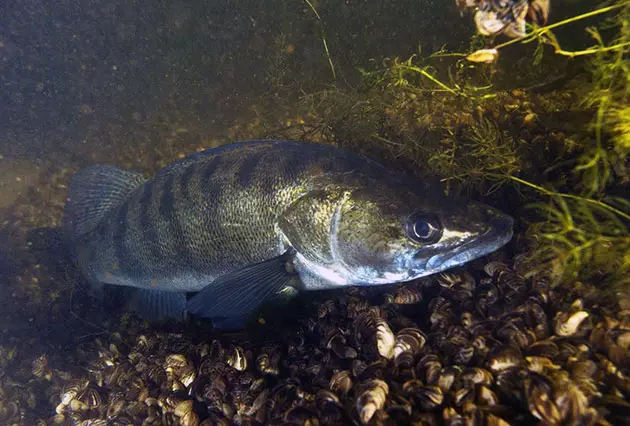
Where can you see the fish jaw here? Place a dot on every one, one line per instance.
(500, 232)
(322, 277)
(465, 246)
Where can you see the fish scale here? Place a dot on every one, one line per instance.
(258, 220)
(149, 236)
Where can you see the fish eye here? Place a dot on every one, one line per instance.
(423, 229)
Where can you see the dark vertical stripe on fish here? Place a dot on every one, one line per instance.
(176, 237)
(185, 181)
(210, 190)
(297, 164)
(166, 198)
(94, 254)
(209, 168)
(247, 169)
(124, 256)
(151, 238)
(101, 231)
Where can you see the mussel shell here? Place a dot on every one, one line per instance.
(341, 382)
(371, 398)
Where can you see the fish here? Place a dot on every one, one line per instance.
(509, 17)
(220, 232)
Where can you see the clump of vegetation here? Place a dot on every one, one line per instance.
(495, 129)
(610, 95)
(586, 235)
(578, 234)
(580, 238)
(478, 158)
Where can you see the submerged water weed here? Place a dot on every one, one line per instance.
(481, 157)
(403, 73)
(544, 35)
(583, 234)
(323, 38)
(619, 118)
(604, 159)
(277, 70)
(417, 73)
(610, 96)
(580, 241)
(580, 238)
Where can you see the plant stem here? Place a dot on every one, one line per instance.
(569, 196)
(541, 30)
(430, 77)
(591, 50)
(321, 25)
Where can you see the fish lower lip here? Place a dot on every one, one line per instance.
(500, 233)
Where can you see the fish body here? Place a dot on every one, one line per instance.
(509, 17)
(258, 220)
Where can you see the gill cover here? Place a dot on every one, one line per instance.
(307, 224)
(344, 235)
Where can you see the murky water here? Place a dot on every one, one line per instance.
(139, 84)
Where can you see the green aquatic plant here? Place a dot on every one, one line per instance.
(405, 73)
(583, 233)
(480, 157)
(277, 70)
(618, 117)
(610, 96)
(494, 150)
(580, 238)
(418, 74)
(323, 38)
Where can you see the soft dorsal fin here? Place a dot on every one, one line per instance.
(94, 192)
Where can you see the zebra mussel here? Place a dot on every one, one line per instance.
(450, 351)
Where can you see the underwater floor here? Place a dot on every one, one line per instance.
(480, 344)
(142, 83)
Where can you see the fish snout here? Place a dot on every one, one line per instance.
(497, 222)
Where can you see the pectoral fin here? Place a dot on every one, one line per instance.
(236, 295)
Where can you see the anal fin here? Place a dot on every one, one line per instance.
(156, 305)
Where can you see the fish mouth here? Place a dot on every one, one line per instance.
(499, 233)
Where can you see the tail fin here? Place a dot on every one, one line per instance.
(93, 193)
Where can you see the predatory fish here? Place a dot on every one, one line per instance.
(256, 221)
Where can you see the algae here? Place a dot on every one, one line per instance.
(545, 135)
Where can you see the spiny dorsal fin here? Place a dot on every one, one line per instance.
(94, 192)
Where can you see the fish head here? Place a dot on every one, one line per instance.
(386, 236)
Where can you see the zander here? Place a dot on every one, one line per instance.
(255, 221)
